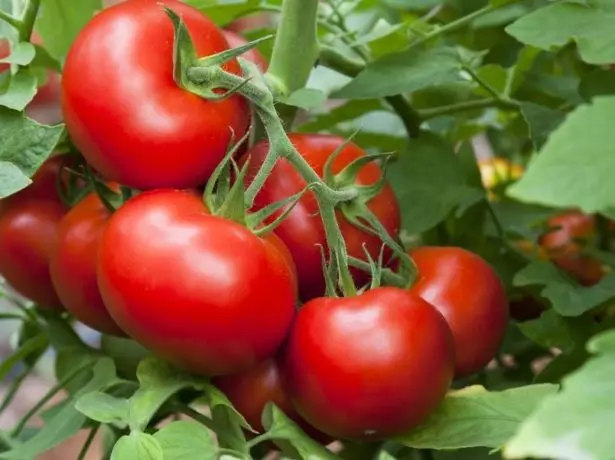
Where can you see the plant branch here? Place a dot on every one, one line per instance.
(27, 20)
(10, 19)
(452, 109)
(482, 83)
(88, 442)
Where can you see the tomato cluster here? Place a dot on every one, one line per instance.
(207, 292)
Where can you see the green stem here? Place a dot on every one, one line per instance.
(48, 396)
(88, 442)
(14, 388)
(452, 109)
(482, 83)
(289, 70)
(458, 24)
(27, 20)
(9, 19)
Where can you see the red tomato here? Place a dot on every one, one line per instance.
(73, 264)
(302, 231)
(131, 121)
(250, 391)
(469, 294)
(201, 291)
(28, 232)
(564, 245)
(371, 366)
(234, 40)
(5, 51)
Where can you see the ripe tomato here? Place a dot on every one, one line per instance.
(250, 391)
(469, 294)
(73, 264)
(201, 291)
(28, 232)
(564, 245)
(234, 40)
(370, 366)
(302, 231)
(131, 121)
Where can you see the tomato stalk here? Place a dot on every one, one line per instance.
(27, 20)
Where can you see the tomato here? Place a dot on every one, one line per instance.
(234, 40)
(250, 391)
(302, 231)
(564, 245)
(5, 51)
(28, 232)
(200, 291)
(124, 111)
(470, 295)
(73, 264)
(370, 366)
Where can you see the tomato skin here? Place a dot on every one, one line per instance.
(470, 296)
(250, 391)
(146, 132)
(195, 289)
(254, 55)
(370, 366)
(28, 232)
(562, 247)
(302, 231)
(73, 264)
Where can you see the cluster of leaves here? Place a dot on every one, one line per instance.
(429, 80)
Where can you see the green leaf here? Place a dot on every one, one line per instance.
(159, 381)
(20, 92)
(553, 26)
(474, 417)
(226, 11)
(554, 331)
(186, 439)
(22, 54)
(552, 179)
(348, 111)
(600, 82)
(541, 121)
(427, 198)
(305, 98)
(290, 437)
(25, 145)
(567, 297)
(137, 446)
(575, 423)
(403, 72)
(103, 408)
(59, 22)
(67, 421)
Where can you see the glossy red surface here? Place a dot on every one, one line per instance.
(369, 367)
(198, 290)
(125, 112)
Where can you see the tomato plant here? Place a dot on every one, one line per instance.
(392, 238)
(302, 231)
(213, 274)
(346, 356)
(165, 145)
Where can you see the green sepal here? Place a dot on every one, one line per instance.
(257, 218)
(347, 177)
(228, 55)
(328, 175)
(109, 198)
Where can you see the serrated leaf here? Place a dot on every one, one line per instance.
(567, 297)
(20, 92)
(159, 381)
(553, 26)
(474, 417)
(59, 22)
(403, 72)
(22, 54)
(582, 147)
(186, 439)
(305, 98)
(103, 407)
(290, 437)
(541, 121)
(425, 198)
(25, 145)
(67, 421)
(575, 423)
(137, 446)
